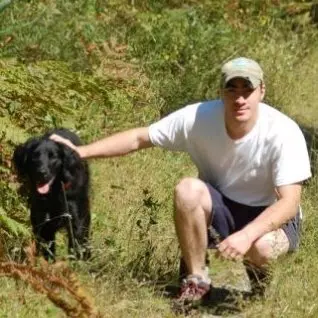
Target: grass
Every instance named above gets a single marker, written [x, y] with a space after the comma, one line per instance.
[101, 67]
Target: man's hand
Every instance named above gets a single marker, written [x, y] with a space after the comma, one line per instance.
[64, 141]
[235, 246]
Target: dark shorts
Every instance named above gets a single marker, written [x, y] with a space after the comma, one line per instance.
[229, 216]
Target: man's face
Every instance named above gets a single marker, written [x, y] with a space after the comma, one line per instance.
[241, 100]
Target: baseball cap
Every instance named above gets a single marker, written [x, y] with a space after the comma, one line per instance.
[244, 68]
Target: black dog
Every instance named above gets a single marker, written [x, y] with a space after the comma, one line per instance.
[57, 181]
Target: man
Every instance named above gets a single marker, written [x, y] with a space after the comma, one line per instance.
[251, 160]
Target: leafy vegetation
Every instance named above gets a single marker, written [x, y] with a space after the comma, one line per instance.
[100, 66]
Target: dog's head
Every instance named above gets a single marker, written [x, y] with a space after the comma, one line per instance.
[42, 161]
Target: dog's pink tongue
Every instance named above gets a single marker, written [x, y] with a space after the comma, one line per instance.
[43, 188]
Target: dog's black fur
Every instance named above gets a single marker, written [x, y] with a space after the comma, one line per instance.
[58, 182]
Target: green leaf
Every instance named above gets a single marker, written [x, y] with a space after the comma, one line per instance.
[11, 226]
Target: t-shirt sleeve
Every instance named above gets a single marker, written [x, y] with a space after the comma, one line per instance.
[291, 162]
[170, 132]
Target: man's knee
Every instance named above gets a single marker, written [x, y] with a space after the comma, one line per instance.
[268, 248]
[192, 196]
[261, 251]
[188, 192]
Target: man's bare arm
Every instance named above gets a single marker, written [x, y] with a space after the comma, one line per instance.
[115, 145]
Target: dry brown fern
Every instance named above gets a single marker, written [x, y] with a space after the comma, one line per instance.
[57, 282]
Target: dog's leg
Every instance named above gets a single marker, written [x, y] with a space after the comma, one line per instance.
[78, 235]
[45, 243]
[80, 245]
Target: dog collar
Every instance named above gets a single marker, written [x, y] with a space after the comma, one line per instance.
[66, 185]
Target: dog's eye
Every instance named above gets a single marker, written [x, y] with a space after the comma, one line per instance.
[50, 154]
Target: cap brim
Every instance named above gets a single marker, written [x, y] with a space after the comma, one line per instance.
[255, 82]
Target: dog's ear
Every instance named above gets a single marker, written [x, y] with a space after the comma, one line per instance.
[20, 156]
[71, 163]
[19, 159]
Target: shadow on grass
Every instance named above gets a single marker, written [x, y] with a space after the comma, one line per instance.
[221, 301]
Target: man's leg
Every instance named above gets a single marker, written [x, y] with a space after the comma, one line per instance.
[268, 248]
[193, 209]
[273, 244]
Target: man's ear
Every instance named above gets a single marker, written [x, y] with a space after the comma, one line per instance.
[263, 90]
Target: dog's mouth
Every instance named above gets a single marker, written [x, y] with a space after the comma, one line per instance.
[44, 188]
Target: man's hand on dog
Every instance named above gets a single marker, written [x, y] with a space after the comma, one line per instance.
[64, 141]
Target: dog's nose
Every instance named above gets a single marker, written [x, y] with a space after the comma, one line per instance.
[42, 171]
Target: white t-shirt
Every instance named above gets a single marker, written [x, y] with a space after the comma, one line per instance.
[247, 170]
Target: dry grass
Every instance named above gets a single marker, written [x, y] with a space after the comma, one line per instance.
[56, 281]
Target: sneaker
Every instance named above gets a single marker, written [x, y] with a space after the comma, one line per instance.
[193, 290]
[183, 273]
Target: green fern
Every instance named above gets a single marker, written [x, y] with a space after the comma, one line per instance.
[12, 227]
